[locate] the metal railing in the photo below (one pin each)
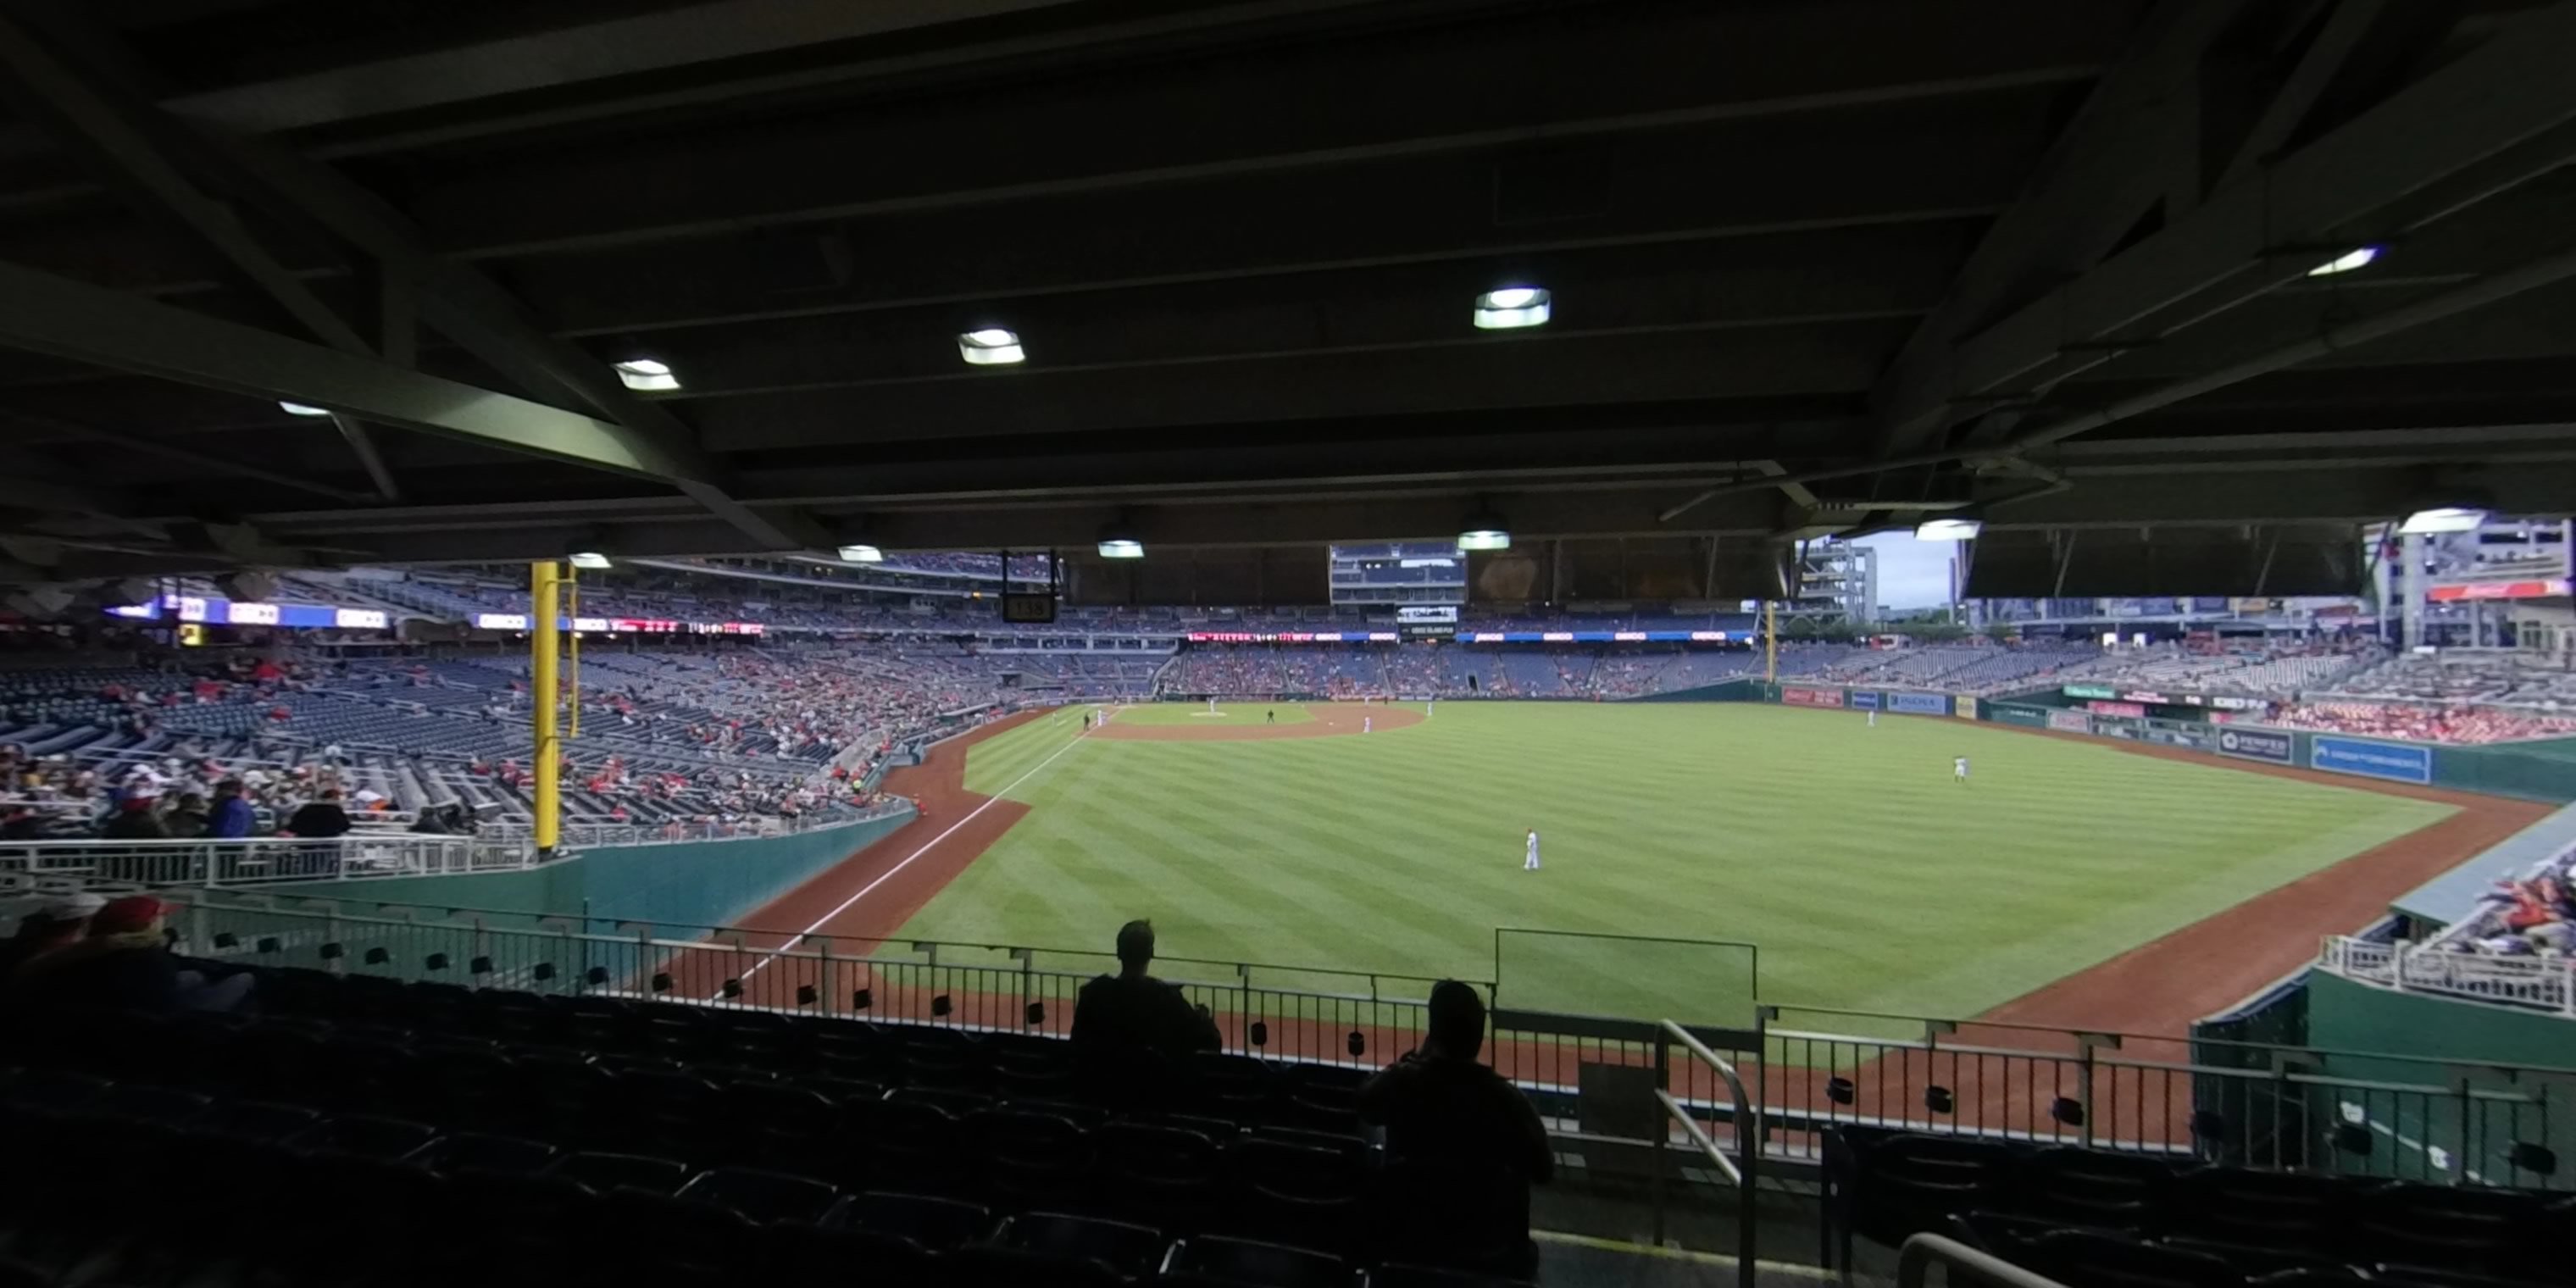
(1743, 1171)
(258, 860)
(2249, 1104)
(1914, 1262)
(589, 835)
(2440, 969)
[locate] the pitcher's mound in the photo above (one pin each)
(1329, 720)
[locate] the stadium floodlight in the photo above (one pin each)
(1121, 548)
(2442, 518)
(862, 554)
(1484, 539)
(302, 409)
(647, 375)
(591, 559)
(2357, 257)
(1511, 307)
(991, 346)
(1948, 530)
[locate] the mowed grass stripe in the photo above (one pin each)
(1869, 877)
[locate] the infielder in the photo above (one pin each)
(1530, 864)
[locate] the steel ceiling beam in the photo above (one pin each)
(118, 132)
(82, 323)
(2479, 124)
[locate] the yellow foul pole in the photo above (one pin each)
(1770, 641)
(543, 581)
(572, 651)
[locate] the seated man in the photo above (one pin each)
(1439, 1105)
(125, 964)
(1134, 1010)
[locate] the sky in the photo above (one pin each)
(1911, 573)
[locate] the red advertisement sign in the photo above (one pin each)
(1812, 697)
(2496, 590)
(2130, 709)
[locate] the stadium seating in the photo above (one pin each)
(500, 1133)
(2101, 1217)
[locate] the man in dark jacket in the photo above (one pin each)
(1439, 1104)
(232, 818)
(320, 819)
(135, 821)
(1134, 1010)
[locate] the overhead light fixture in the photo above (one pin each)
(1510, 307)
(1484, 529)
(302, 409)
(647, 375)
(1948, 530)
(991, 346)
(2446, 518)
(1121, 548)
(2358, 257)
(587, 559)
(862, 554)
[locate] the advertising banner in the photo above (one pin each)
(2146, 695)
(1811, 697)
(2238, 704)
(2091, 691)
(2118, 727)
(2070, 721)
(1922, 704)
(2129, 709)
(2256, 744)
(2395, 761)
(1964, 707)
(1864, 700)
(2197, 740)
(2026, 717)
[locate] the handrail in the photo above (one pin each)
(1919, 1252)
(1742, 1169)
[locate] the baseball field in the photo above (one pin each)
(1868, 877)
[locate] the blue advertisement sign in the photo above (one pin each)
(1864, 700)
(1919, 704)
(2396, 761)
(2257, 744)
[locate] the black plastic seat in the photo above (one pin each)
(1438, 1213)
(1246, 1263)
(919, 1147)
(764, 1197)
(2091, 1187)
(1303, 1195)
(933, 1222)
(366, 1136)
(996, 1267)
(794, 1253)
(1397, 1274)
(1164, 1175)
(2289, 1211)
(605, 1172)
(2472, 1230)
(1888, 1187)
(1122, 1247)
(1030, 1160)
(2099, 1260)
(480, 1152)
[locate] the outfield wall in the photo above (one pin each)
(676, 883)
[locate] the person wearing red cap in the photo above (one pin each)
(125, 964)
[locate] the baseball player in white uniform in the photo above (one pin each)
(1367, 723)
(1873, 717)
(1959, 769)
(1530, 864)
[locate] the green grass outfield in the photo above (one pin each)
(1194, 714)
(1867, 877)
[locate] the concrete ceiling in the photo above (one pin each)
(1818, 266)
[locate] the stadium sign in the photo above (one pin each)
(1862, 700)
(2129, 709)
(2146, 695)
(2091, 691)
(2070, 721)
(1966, 708)
(1598, 637)
(1923, 704)
(2238, 704)
(2543, 589)
(2194, 740)
(1812, 697)
(2256, 744)
(2395, 761)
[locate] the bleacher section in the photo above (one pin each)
(430, 1134)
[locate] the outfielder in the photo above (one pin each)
(1959, 769)
(1530, 864)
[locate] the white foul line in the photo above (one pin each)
(888, 874)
